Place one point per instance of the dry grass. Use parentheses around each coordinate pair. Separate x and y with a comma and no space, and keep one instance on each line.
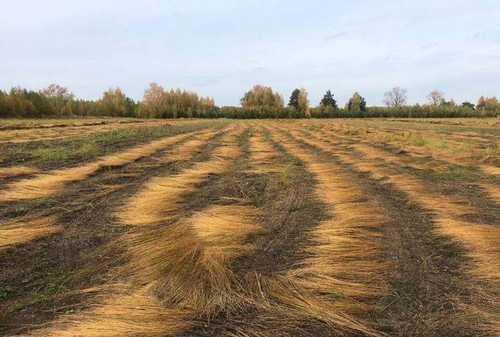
(48,184)
(189,148)
(181,271)
(263,155)
(137,314)
(190,258)
(191,269)
(55,133)
(15,171)
(162,197)
(343,270)
(493,192)
(491,170)
(481,241)
(20,232)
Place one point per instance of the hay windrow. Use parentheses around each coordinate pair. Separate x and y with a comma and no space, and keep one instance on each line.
(20,232)
(48,184)
(344,265)
(481,240)
(16,171)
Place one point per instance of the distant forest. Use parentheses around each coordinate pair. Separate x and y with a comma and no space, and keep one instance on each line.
(258,102)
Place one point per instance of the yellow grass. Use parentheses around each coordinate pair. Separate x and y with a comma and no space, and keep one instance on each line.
(343,267)
(183,271)
(138,314)
(163,196)
(492,170)
(189,148)
(15,171)
(48,133)
(20,232)
(493,191)
(480,240)
(190,258)
(263,155)
(48,184)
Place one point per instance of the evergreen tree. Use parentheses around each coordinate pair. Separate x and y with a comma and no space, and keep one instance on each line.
(294,99)
(329,101)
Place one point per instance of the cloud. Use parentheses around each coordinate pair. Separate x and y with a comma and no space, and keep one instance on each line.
(221,48)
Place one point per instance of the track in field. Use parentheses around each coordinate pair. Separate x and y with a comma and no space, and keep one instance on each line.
(254,228)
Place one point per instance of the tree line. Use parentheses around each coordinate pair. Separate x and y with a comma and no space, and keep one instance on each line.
(259,102)
(58,101)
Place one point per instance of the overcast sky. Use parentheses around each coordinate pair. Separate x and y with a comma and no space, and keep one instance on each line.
(221,48)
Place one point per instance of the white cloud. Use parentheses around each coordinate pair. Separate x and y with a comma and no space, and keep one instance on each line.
(222,47)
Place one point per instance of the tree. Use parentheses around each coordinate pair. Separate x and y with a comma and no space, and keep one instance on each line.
(488,104)
(304,102)
(356,103)
(262,101)
(59,98)
(294,99)
(468,105)
(436,97)
(115,103)
(396,98)
(328,101)
(159,103)
(299,100)
(153,102)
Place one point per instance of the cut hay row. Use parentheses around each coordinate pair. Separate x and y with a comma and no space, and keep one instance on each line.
(492,191)
(490,169)
(48,184)
(16,171)
(481,240)
(180,267)
(343,271)
(439,148)
(20,232)
(374,154)
(190,147)
(164,196)
(24,231)
(50,134)
(190,259)
(179,273)
(262,154)
(135,313)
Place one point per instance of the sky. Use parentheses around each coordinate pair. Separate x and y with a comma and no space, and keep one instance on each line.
(221,48)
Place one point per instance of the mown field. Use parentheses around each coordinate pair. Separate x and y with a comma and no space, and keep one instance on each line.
(149,228)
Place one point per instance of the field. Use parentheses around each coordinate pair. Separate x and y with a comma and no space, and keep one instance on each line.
(154,228)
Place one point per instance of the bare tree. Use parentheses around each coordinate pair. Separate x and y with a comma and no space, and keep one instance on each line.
(397,97)
(436,97)
(57,91)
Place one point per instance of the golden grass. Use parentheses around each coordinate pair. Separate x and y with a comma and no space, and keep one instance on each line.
(190,259)
(15,171)
(137,314)
(181,272)
(48,184)
(493,192)
(20,232)
(481,241)
(491,170)
(162,197)
(343,270)
(262,155)
(181,266)
(47,133)
(189,148)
